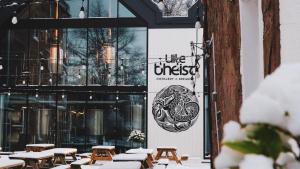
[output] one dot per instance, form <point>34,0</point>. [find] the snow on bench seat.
<point>159,167</point>
<point>130,157</point>
<point>62,167</point>
<point>83,161</point>
<point>163,161</point>
<point>121,165</point>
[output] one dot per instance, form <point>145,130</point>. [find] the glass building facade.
<point>78,82</point>
<point>75,85</point>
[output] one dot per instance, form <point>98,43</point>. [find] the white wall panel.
<point>173,41</point>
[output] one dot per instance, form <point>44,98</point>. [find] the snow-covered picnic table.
<point>61,153</point>
<point>33,159</point>
<point>102,153</point>
<point>149,153</point>
<point>6,163</point>
<point>142,158</point>
<point>39,147</point>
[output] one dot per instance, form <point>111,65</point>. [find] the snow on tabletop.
<point>104,147</point>
<point>7,163</point>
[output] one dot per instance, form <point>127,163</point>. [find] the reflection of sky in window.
<point>106,5</point>
<point>141,36</point>
<point>74,8</point>
<point>76,42</point>
<point>124,12</point>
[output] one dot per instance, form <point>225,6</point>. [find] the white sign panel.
<point>175,107</point>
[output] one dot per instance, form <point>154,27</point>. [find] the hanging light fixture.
<point>198,23</point>
<point>161,5</point>
<point>81,12</point>
<point>1,66</point>
<point>122,65</point>
<point>14,19</point>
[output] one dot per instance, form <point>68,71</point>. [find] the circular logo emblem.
<point>175,108</point>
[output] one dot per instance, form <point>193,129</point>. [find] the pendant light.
<point>198,23</point>
<point>1,65</point>
<point>14,19</point>
<point>81,13</point>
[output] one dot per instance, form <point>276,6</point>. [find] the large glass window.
<point>73,51</point>
<point>102,56</point>
<point>14,125</point>
<point>41,118</point>
<point>71,114</point>
<point>70,119</point>
<point>76,57</point>
<point>71,9</point>
<point>74,87</point>
<point>132,54</point>
<point>103,8</point>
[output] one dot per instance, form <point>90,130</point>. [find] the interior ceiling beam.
<point>76,23</point>
<point>95,89</point>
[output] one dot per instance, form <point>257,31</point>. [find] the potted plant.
<point>269,134</point>
<point>137,136</point>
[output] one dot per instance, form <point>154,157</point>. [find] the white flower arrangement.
<point>269,136</point>
<point>137,136</point>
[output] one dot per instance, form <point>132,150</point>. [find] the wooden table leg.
<point>175,157</point>
<point>62,159</point>
<point>149,161</point>
<point>93,157</point>
<point>74,156</point>
<point>34,164</point>
<point>112,152</point>
<point>142,166</point>
<point>158,155</point>
<point>49,162</point>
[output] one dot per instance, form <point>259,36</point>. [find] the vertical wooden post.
<point>223,23</point>
<point>270,11</point>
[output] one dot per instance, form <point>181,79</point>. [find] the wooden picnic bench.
<point>102,153</point>
<point>170,153</point>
